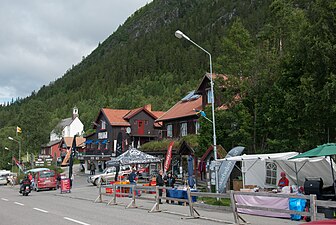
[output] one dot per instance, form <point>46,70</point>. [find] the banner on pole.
<point>226,167</point>
<point>168,156</point>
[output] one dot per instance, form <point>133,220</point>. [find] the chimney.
<point>148,107</point>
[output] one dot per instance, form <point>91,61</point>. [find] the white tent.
<point>254,168</point>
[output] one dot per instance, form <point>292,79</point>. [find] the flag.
<point>17,163</point>
<point>200,112</point>
<point>18,130</point>
<point>168,156</point>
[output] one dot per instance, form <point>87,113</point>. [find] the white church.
<point>68,127</point>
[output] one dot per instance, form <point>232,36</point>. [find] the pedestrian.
<point>132,178</point>
<point>160,183</point>
<point>92,168</point>
<point>58,184</point>
<point>89,166</point>
<point>169,182</point>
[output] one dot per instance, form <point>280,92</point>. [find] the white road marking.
<point>41,210</point>
<point>18,203</point>
<point>4,199</point>
<point>76,221</point>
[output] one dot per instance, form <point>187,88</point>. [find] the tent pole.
<point>243,173</point>
<point>333,176</point>
<point>296,174</point>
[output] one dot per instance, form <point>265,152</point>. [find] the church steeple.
<point>75,112</point>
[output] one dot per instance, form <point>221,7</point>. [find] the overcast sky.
<point>41,39</point>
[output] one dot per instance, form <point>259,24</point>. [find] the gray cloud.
<point>41,39</point>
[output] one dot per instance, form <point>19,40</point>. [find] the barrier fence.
<point>193,213</point>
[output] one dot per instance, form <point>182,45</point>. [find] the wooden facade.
<point>135,126</point>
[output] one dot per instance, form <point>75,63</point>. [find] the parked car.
<point>108,174</point>
<point>143,173</point>
<point>3,180</point>
<point>45,180</point>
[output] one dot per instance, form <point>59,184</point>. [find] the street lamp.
<point>19,142</point>
<point>12,156</point>
<point>179,34</point>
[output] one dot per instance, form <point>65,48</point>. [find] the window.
<point>209,95</point>
<point>169,130</point>
<point>183,129</point>
<point>146,122</point>
<point>135,122</point>
<point>103,125</point>
<point>271,173</point>
<point>197,127</point>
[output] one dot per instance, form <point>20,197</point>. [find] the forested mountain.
<point>279,54</point>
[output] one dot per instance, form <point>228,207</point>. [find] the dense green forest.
<point>279,55</point>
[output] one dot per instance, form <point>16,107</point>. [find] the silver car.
<point>108,174</point>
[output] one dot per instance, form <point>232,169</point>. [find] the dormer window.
<point>103,125</point>
<point>209,96</point>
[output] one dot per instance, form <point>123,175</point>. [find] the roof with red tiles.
<point>120,117</point>
<point>79,141</point>
<point>116,116</point>
<point>185,107</point>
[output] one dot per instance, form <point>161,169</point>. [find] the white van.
<point>3,176</point>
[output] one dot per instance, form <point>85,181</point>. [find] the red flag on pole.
<point>18,163</point>
<point>168,156</point>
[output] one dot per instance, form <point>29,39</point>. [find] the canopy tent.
<point>254,168</point>
<point>133,156</point>
<point>322,150</point>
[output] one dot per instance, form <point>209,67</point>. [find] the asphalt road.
<point>77,207</point>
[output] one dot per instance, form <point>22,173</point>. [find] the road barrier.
<point>193,213</point>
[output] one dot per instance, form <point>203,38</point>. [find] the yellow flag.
<point>18,130</point>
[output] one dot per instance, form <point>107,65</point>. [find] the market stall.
<point>255,168</point>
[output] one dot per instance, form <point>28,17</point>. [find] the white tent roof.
<point>271,156</point>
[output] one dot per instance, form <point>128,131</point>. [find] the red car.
<point>321,222</point>
<point>45,180</point>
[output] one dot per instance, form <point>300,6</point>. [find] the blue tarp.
<point>298,205</point>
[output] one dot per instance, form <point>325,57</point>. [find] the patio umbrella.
<point>321,150</point>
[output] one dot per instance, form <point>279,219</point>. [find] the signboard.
<point>65,185</point>
<point>168,156</point>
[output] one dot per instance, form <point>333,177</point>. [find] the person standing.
<point>160,183</point>
<point>169,182</point>
<point>132,181</point>
<point>92,168</point>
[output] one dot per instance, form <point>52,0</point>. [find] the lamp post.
<point>19,142</point>
<point>179,34</point>
<point>12,156</point>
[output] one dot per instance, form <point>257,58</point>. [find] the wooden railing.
<point>193,213</point>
